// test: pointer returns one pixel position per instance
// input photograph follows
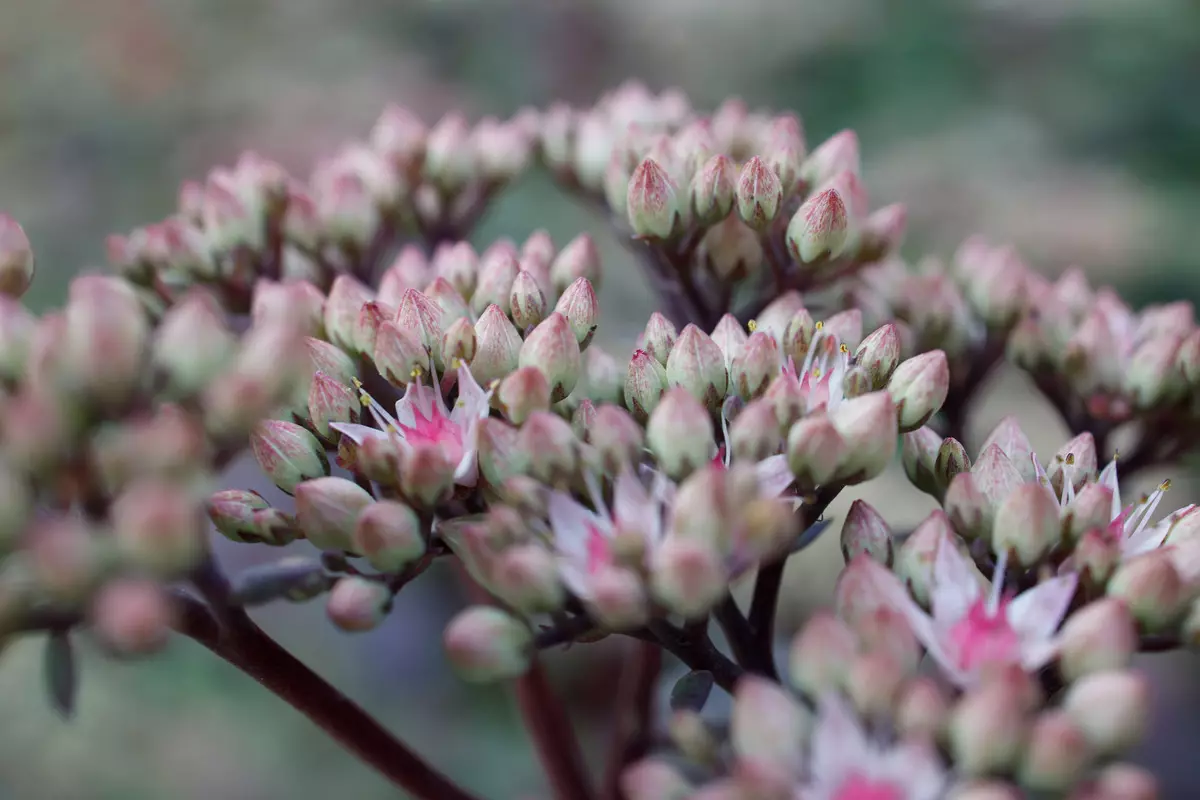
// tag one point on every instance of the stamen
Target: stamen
(380, 414)
(725, 434)
(819, 325)
(752, 325)
(593, 487)
(1068, 473)
(997, 583)
(1143, 514)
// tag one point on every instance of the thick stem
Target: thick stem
(551, 730)
(737, 631)
(634, 713)
(697, 652)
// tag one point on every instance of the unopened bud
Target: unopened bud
(388, 534)
(697, 365)
(104, 339)
(158, 528)
(856, 382)
(815, 448)
(299, 303)
(550, 447)
(768, 727)
(1091, 509)
(616, 436)
(486, 644)
(995, 477)
(330, 401)
(1100, 636)
(552, 348)
(459, 343)
(915, 557)
(713, 188)
(1152, 588)
(346, 298)
(232, 512)
(356, 604)
(987, 731)
(921, 709)
(732, 250)
(450, 156)
(1125, 782)
(687, 576)
(288, 453)
(1013, 443)
(426, 475)
(192, 345)
(16, 258)
(652, 202)
(838, 153)
(759, 194)
(868, 425)
(1153, 375)
(327, 509)
(527, 302)
(1096, 556)
(820, 227)
(579, 305)
(754, 434)
(865, 531)
(820, 655)
(951, 460)
(579, 259)
(1027, 525)
(421, 319)
(498, 271)
(398, 355)
(498, 346)
(645, 383)
(443, 294)
(132, 617)
(879, 354)
(797, 335)
(1056, 755)
(919, 453)
(680, 433)
(730, 337)
(17, 328)
(754, 368)
(603, 377)
(523, 392)
(659, 337)
(873, 684)
(618, 598)
(331, 360)
(884, 230)
(526, 576)
(1111, 708)
(919, 387)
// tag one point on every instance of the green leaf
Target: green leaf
(690, 692)
(62, 676)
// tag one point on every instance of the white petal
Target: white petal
(575, 577)
(955, 583)
(915, 769)
(774, 475)
(1036, 614)
(838, 742)
(1108, 477)
(416, 396)
(358, 433)
(1040, 475)
(571, 523)
(634, 507)
(467, 472)
(473, 402)
(1036, 654)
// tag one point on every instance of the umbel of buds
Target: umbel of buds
(420, 409)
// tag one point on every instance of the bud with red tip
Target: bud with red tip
(388, 534)
(696, 364)
(645, 382)
(759, 194)
(498, 271)
(579, 305)
(1056, 755)
(398, 355)
(288, 453)
(192, 345)
(232, 512)
(838, 153)
(330, 401)
(486, 644)
(158, 528)
(421, 319)
(1027, 525)
(713, 190)
(652, 202)
(919, 387)
(865, 531)
(550, 448)
(680, 433)
(879, 354)
(968, 508)
(327, 510)
(1153, 589)
(426, 475)
(523, 392)
(346, 298)
(756, 366)
(498, 346)
(819, 228)
(553, 348)
(951, 460)
(446, 297)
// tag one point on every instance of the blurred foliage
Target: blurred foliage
(1067, 128)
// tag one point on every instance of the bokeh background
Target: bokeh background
(1070, 129)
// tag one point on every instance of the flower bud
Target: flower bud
(459, 343)
(450, 156)
(16, 258)
(768, 727)
(357, 604)
(287, 453)
(712, 190)
(578, 304)
(1099, 636)
(644, 384)
(680, 433)
(1125, 782)
(820, 227)
(1153, 375)
(527, 302)
(921, 709)
(539, 248)
(987, 731)
(759, 194)
(915, 556)
(865, 531)
(820, 655)
(879, 354)
(884, 230)
(687, 576)
(652, 202)
(523, 392)
(327, 509)
(420, 319)
(754, 368)
(1057, 754)
(232, 512)
(838, 153)
(1015, 445)
(346, 298)
(579, 259)
(192, 345)
(951, 460)
(331, 360)
(158, 528)
(398, 355)
(873, 684)
(446, 297)
(498, 272)
(553, 348)
(1152, 588)
(498, 346)
(298, 303)
(815, 448)
(104, 339)
(456, 263)
(919, 453)
(659, 337)
(388, 534)
(486, 644)
(697, 365)
(330, 401)
(754, 434)
(526, 576)
(886, 631)
(919, 387)
(550, 447)
(618, 598)
(603, 377)
(1027, 525)
(776, 318)
(654, 779)
(995, 477)
(132, 617)
(1091, 509)
(868, 425)
(426, 475)
(616, 436)
(1096, 557)
(1111, 708)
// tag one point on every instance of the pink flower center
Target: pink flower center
(982, 637)
(599, 550)
(815, 386)
(719, 459)
(436, 429)
(860, 787)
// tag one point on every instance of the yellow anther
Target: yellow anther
(364, 399)
(752, 325)
(1071, 459)
(1165, 485)
(392, 428)
(844, 349)
(819, 326)
(455, 362)
(416, 372)
(357, 383)
(1116, 454)
(816, 373)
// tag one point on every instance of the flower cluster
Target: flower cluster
(418, 398)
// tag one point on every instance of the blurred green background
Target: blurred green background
(1070, 129)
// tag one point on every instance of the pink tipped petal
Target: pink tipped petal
(1036, 614)
(358, 433)
(571, 523)
(955, 583)
(774, 475)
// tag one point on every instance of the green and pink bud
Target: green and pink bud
(865, 531)
(1100, 636)
(459, 343)
(652, 202)
(645, 382)
(16, 258)
(288, 453)
(617, 438)
(713, 190)
(758, 363)
(327, 511)
(687, 576)
(526, 301)
(815, 449)
(346, 298)
(553, 348)
(919, 387)
(485, 644)
(659, 337)
(680, 433)
(759, 194)
(356, 605)
(868, 426)
(498, 271)
(579, 305)
(158, 528)
(330, 401)
(579, 259)
(819, 228)
(498, 346)
(697, 365)
(879, 355)
(1111, 708)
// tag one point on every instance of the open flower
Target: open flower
(422, 418)
(824, 368)
(1131, 525)
(584, 538)
(844, 764)
(968, 630)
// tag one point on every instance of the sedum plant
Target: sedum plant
(422, 400)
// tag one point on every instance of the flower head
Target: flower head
(824, 368)
(422, 419)
(847, 765)
(1130, 526)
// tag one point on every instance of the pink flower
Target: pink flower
(774, 474)
(583, 537)
(422, 418)
(844, 764)
(824, 368)
(1131, 525)
(969, 630)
